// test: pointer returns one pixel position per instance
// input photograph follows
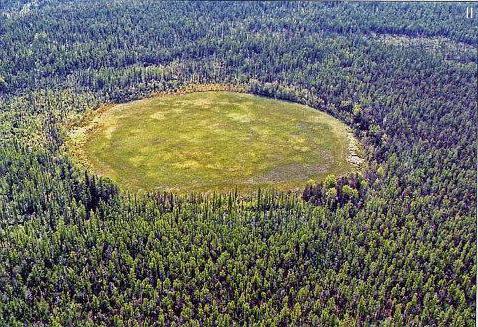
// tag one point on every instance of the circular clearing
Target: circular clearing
(214, 140)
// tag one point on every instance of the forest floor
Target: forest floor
(213, 141)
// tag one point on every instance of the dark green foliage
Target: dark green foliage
(333, 193)
(394, 247)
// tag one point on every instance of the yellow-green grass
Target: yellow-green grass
(214, 141)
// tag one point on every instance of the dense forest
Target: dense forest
(394, 246)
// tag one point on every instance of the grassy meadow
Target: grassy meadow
(213, 141)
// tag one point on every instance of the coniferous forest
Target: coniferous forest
(393, 246)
